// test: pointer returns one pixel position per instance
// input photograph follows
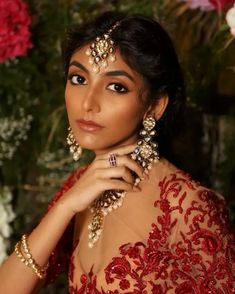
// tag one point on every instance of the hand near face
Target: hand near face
(101, 176)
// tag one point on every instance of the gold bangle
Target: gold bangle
(25, 246)
(28, 260)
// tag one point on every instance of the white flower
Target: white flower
(6, 216)
(13, 130)
(230, 18)
(3, 248)
(5, 229)
(6, 195)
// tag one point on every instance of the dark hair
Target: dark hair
(146, 47)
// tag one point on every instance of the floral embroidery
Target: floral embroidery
(199, 259)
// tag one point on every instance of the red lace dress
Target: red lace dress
(172, 237)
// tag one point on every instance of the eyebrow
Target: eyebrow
(109, 73)
(79, 65)
(119, 73)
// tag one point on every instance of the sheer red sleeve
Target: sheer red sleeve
(190, 249)
(59, 259)
(201, 241)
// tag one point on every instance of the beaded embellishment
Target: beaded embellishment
(145, 154)
(74, 147)
(109, 201)
(102, 50)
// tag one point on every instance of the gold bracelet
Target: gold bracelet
(28, 259)
(25, 246)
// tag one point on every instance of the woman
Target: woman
(130, 222)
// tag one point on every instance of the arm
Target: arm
(14, 275)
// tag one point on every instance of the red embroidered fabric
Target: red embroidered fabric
(200, 258)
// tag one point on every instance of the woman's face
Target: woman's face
(105, 108)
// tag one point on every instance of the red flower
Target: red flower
(14, 32)
(220, 4)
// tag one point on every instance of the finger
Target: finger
(123, 160)
(117, 172)
(115, 184)
(119, 151)
(131, 165)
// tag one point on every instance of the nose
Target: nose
(91, 101)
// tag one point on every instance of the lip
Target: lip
(88, 125)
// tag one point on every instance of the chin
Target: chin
(99, 146)
(94, 145)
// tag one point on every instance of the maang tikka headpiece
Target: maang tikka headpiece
(102, 50)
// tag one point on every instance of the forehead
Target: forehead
(119, 63)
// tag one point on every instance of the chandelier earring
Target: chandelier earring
(145, 154)
(146, 151)
(74, 148)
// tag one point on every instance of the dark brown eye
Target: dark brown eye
(77, 79)
(119, 88)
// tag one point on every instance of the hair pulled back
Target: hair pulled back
(146, 48)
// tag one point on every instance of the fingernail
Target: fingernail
(145, 176)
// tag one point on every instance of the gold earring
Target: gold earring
(146, 151)
(74, 148)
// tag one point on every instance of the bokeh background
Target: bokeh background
(34, 158)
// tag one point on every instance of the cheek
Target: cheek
(135, 110)
(66, 95)
(128, 115)
(70, 100)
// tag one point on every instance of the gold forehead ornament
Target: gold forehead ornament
(102, 50)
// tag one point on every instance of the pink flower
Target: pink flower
(230, 18)
(207, 5)
(14, 32)
(202, 4)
